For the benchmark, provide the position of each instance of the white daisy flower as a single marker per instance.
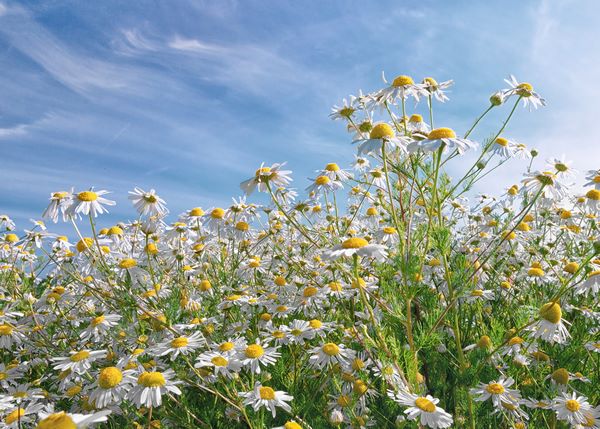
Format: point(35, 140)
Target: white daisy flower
point(424, 408)
point(551, 327)
point(151, 385)
point(70, 420)
point(437, 89)
point(111, 386)
point(358, 246)
point(221, 363)
point(255, 355)
point(323, 184)
point(498, 391)
point(331, 353)
point(100, 326)
point(59, 203)
point(531, 99)
point(148, 203)
point(273, 175)
point(183, 344)
point(264, 396)
point(381, 134)
point(571, 408)
point(442, 138)
point(593, 179)
point(79, 362)
point(89, 202)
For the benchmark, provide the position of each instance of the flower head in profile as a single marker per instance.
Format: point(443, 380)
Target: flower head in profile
point(59, 203)
point(444, 138)
point(381, 134)
point(436, 89)
point(550, 326)
point(357, 246)
point(524, 90)
point(266, 177)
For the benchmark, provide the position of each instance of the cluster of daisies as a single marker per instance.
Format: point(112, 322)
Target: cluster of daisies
point(408, 307)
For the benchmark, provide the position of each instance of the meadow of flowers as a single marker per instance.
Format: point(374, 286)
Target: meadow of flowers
point(384, 298)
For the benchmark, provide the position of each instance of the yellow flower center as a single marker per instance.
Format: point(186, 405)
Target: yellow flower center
point(242, 226)
point(151, 379)
point(315, 323)
point(79, 356)
point(59, 195)
point(83, 244)
point(546, 178)
point(179, 342)
point(551, 312)
point(381, 131)
point(371, 211)
point(403, 81)
point(502, 141)
point(425, 404)
point(266, 393)
point(6, 329)
point(415, 118)
point(430, 81)
point(524, 89)
point(442, 133)
point(515, 340)
point(291, 425)
point(389, 230)
point(196, 212)
point(254, 351)
point(495, 388)
point(150, 198)
point(226, 346)
point(217, 213)
point(310, 291)
point(219, 361)
point(572, 405)
point(332, 166)
point(97, 320)
point(322, 180)
point(354, 243)
point(57, 421)
point(593, 194)
point(14, 416)
point(331, 349)
point(127, 263)
point(110, 377)
point(11, 238)
point(477, 292)
point(87, 196)
point(484, 342)
point(561, 376)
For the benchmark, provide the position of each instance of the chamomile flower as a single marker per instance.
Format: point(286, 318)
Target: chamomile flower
point(257, 354)
point(148, 203)
point(417, 125)
point(329, 354)
point(182, 344)
point(323, 184)
point(273, 176)
point(563, 168)
point(357, 246)
point(504, 148)
point(79, 361)
point(111, 386)
point(100, 326)
point(150, 387)
point(60, 420)
point(444, 138)
point(498, 391)
point(531, 99)
point(222, 363)
point(381, 135)
point(345, 111)
point(593, 179)
point(401, 87)
point(267, 397)
point(89, 203)
point(571, 408)
point(59, 203)
point(423, 408)
point(550, 327)
point(545, 182)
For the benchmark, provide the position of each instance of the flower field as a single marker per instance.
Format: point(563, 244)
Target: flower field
point(386, 295)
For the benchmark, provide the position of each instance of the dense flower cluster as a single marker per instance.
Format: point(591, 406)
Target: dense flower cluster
point(408, 307)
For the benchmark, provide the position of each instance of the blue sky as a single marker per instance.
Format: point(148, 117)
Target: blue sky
point(189, 97)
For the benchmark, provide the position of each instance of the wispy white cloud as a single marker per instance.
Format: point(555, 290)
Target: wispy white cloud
point(17, 130)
